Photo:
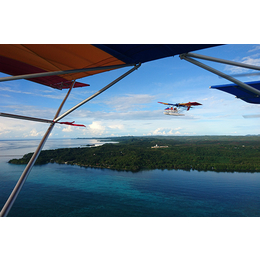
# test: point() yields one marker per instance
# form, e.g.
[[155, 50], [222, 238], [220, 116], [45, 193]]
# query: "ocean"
[[57, 190]]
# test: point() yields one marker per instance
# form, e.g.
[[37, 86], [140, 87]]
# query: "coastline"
[[136, 154]]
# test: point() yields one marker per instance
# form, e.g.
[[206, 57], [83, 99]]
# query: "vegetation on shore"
[[203, 153]]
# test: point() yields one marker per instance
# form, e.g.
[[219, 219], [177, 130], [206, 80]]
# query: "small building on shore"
[[157, 146]]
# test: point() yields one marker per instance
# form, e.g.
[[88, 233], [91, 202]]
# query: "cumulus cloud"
[[34, 133], [67, 129], [96, 128], [14, 128]]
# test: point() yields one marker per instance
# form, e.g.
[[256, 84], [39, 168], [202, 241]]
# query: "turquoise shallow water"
[[65, 190]]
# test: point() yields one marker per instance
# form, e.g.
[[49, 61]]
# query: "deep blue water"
[[65, 190]]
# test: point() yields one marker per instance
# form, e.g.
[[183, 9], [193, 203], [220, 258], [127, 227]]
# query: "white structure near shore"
[[157, 146]]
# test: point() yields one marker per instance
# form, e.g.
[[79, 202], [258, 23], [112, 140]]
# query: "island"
[[202, 153]]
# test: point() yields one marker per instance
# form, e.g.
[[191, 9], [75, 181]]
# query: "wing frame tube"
[[234, 63], [55, 73], [10, 201], [26, 118], [97, 93], [221, 74]]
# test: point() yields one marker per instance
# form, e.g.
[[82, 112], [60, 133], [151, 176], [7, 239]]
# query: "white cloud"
[[34, 133], [130, 101], [32, 111], [251, 60], [117, 126], [96, 128], [256, 48], [67, 129], [165, 131], [4, 131], [14, 128], [5, 95], [126, 115], [38, 94]]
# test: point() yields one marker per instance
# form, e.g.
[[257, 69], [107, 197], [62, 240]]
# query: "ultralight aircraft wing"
[[168, 104], [242, 93], [21, 59], [188, 105]]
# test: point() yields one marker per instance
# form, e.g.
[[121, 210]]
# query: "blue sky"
[[130, 107]]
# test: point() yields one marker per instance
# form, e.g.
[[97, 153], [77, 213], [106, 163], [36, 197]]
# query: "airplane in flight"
[[175, 109]]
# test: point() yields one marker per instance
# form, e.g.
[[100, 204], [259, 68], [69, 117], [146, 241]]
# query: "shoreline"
[[137, 154]]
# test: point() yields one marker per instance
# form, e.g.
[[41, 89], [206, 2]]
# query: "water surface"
[[66, 190]]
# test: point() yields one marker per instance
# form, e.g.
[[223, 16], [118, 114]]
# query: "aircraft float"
[[175, 109]]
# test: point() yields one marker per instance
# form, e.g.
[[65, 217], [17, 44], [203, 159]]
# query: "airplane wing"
[[194, 104], [190, 104], [71, 123], [241, 93], [168, 104], [21, 59]]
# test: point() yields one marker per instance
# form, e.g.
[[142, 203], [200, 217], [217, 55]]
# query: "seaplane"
[[178, 108]]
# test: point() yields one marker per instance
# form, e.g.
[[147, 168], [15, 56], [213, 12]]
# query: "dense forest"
[[203, 153]]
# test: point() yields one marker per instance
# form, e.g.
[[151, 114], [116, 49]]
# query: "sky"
[[131, 107]]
